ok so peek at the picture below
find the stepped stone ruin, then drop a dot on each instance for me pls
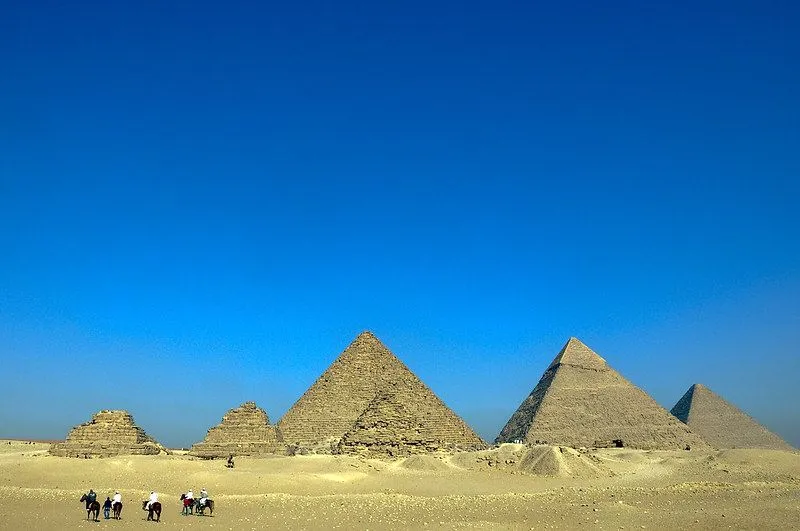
(368, 402)
(109, 433)
(244, 430)
(582, 402)
(721, 423)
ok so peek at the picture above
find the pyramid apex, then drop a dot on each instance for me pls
(575, 352)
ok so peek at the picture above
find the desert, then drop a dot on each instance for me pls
(511, 486)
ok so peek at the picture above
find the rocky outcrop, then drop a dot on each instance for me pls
(581, 401)
(244, 430)
(109, 433)
(345, 410)
(721, 423)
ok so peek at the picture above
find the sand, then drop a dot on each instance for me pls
(513, 487)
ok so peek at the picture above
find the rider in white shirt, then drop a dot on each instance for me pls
(203, 496)
(117, 497)
(190, 495)
(153, 499)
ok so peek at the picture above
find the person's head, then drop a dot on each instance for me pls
(116, 492)
(91, 491)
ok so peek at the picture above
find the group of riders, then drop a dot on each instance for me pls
(150, 505)
(189, 503)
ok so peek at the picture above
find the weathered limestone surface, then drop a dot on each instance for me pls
(244, 430)
(334, 405)
(581, 401)
(721, 423)
(109, 433)
(388, 429)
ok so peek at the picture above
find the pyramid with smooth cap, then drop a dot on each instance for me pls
(244, 430)
(367, 389)
(109, 433)
(581, 401)
(721, 423)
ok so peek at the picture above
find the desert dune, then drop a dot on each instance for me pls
(508, 487)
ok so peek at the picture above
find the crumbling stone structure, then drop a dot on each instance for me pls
(244, 430)
(109, 433)
(369, 402)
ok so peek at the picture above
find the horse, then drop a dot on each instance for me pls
(91, 507)
(200, 509)
(117, 508)
(155, 507)
(188, 504)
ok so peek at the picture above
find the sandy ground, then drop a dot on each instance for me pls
(507, 488)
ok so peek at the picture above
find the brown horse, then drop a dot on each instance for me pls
(117, 508)
(200, 509)
(155, 507)
(91, 507)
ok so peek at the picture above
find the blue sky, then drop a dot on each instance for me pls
(203, 204)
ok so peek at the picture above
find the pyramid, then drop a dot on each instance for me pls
(335, 403)
(244, 430)
(387, 428)
(581, 401)
(721, 423)
(109, 433)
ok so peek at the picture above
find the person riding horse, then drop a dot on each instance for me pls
(92, 505)
(116, 505)
(152, 508)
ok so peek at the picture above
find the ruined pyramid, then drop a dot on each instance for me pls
(721, 423)
(244, 430)
(581, 401)
(109, 433)
(367, 389)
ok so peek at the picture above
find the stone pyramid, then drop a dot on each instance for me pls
(244, 430)
(581, 401)
(387, 428)
(109, 433)
(721, 423)
(332, 407)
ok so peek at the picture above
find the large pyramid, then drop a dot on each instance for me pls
(721, 423)
(368, 386)
(109, 433)
(581, 401)
(244, 430)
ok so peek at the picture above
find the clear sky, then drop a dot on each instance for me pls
(204, 203)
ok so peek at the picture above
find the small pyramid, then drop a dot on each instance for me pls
(244, 430)
(581, 401)
(721, 423)
(387, 428)
(332, 406)
(109, 433)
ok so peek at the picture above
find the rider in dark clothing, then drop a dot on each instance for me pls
(90, 498)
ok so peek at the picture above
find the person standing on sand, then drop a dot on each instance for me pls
(106, 507)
